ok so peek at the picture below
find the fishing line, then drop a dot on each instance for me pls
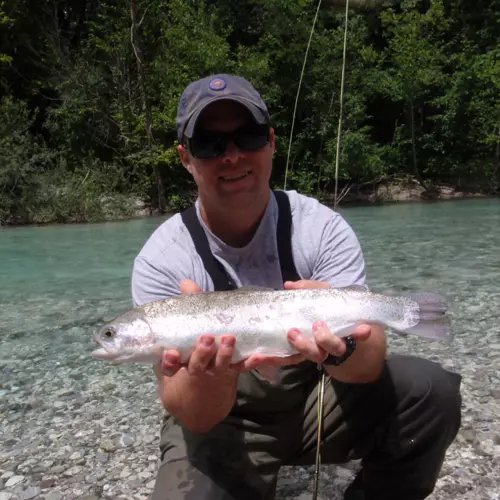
(342, 81)
(321, 386)
(298, 91)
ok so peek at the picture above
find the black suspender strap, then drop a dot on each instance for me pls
(284, 237)
(222, 281)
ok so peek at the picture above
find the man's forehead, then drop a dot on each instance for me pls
(223, 111)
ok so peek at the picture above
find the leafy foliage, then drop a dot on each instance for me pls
(87, 127)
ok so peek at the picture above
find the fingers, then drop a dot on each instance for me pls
(202, 355)
(362, 332)
(189, 286)
(224, 353)
(170, 363)
(306, 346)
(327, 340)
(303, 284)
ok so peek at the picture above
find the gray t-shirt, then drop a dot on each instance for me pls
(324, 248)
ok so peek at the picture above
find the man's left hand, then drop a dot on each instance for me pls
(325, 342)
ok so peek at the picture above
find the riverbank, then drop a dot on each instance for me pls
(402, 189)
(394, 190)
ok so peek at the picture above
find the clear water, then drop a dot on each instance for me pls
(59, 282)
(69, 274)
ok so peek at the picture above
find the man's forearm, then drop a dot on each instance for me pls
(367, 361)
(198, 402)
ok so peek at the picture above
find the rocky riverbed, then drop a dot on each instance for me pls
(75, 428)
(71, 428)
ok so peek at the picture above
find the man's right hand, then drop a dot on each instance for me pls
(211, 359)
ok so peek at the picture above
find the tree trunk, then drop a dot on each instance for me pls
(146, 105)
(416, 171)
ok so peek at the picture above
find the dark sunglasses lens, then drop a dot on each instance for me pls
(252, 140)
(207, 146)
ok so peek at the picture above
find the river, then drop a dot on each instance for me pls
(71, 426)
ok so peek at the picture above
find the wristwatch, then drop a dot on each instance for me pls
(350, 347)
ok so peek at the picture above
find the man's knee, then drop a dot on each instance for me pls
(180, 480)
(432, 391)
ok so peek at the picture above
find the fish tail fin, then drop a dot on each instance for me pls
(433, 322)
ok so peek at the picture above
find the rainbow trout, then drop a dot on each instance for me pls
(260, 319)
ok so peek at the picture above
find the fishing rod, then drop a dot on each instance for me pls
(356, 4)
(321, 384)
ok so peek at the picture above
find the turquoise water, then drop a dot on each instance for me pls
(57, 274)
(59, 282)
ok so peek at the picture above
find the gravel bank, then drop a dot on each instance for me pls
(71, 428)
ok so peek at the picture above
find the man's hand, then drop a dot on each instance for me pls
(325, 342)
(208, 358)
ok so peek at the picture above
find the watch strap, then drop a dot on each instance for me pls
(350, 344)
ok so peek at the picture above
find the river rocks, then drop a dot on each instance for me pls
(73, 428)
(107, 448)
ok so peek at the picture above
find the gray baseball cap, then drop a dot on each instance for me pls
(200, 93)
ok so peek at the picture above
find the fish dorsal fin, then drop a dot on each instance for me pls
(355, 288)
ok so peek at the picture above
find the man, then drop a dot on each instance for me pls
(227, 430)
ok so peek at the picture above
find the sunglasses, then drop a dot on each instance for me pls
(208, 144)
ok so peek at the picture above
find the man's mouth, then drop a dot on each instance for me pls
(235, 177)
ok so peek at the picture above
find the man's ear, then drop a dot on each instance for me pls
(272, 139)
(184, 156)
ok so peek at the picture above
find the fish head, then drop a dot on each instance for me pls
(127, 339)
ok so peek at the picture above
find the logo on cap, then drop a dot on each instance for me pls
(217, 84)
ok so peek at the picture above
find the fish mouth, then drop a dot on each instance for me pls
(102, 353)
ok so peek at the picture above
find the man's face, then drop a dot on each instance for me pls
(236, 177)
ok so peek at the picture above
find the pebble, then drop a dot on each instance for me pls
(53, 495)
(47, 482)
(13, 480)
(107, 445)
(31, 492)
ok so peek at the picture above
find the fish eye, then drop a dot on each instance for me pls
(109, 333)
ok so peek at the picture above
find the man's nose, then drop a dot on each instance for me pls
(232, 153)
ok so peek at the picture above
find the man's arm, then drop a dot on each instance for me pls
(199, 400)
(364, 365)
(340, 263)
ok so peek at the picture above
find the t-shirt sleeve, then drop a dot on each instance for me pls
(151, 281)
(340, 259)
